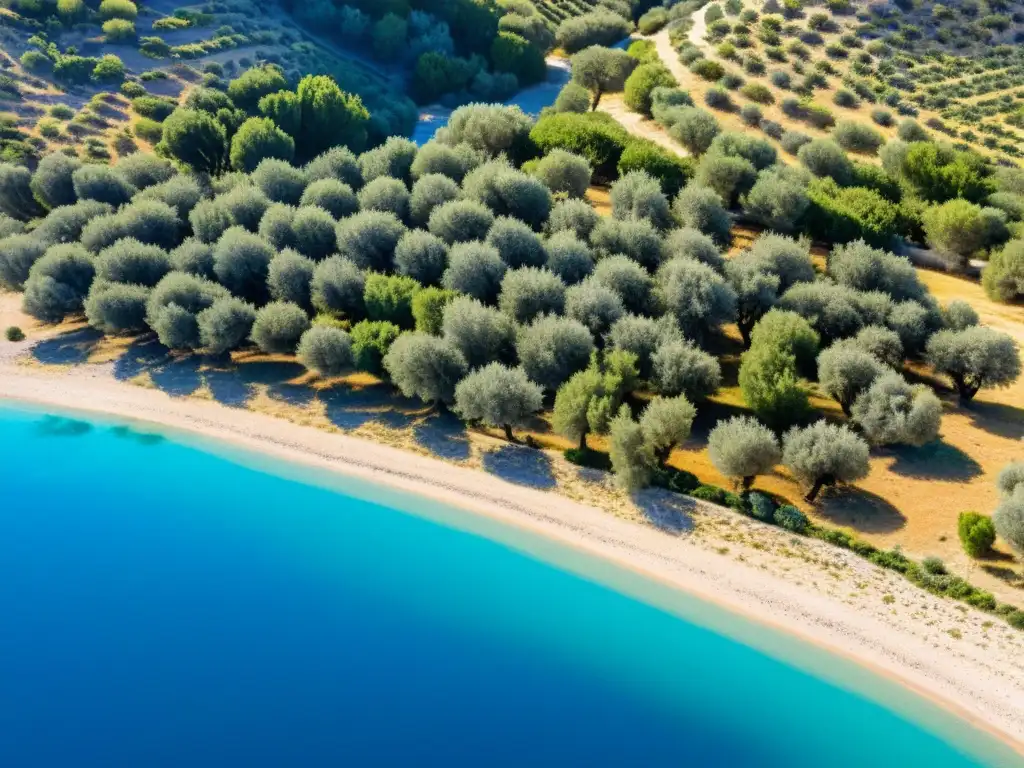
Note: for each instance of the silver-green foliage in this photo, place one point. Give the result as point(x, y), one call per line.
point(743, 448)
point(679, 367)
point(326, 350)
point(891, 411)
point(824, 454)
point(482, 334)
point(499, 396)
point(279, 326)
point(552, 349)
point(425, 366)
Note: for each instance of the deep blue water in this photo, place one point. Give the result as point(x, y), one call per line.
point(165, 606)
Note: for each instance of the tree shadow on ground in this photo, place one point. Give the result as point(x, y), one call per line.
point(445, 436)
point(521, 465)
point(348, 408)
point(860, 510)
point(667, 511)
point(177, 376)
point(997, 419)
point(1003, 573)
point(935, 461)
point(72, 348)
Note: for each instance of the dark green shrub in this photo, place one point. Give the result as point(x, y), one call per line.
point(791, 518)
point(761, 506)
point(595, 136)
point(588, 457)
point(14, 333)
point(370, 342)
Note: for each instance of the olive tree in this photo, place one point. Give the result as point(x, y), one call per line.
point(956, 229)
point(629, 280)
point(552, 349)
point(289, 276)
point(569, 257)
point(824, 454)
point(643, 336)
point(757, 291)
point(102, 183)
point(276, 226)
point(1010, 478)
point(338, 163)
point(17, 255)
point(564, 173)
point(388, 195)
point(631, 455)
point(425, 366)
point(595, 305)
point(435, 158)
point(891, 411)
point(431, 192)
point(777, 200)
point(680, 368)
point(498, 396)
point(181, 193)
point(475, 269)
point(576, 216)
point(791, 332)
point(974, 358)
point(393, 158)
point(278, 327)
point(882, 343)
point(689, 243)
point(51, 183)
point(117, 308)
point(245, 204)
point(369, 239)
point(638, 195)
point(845, 371)
point(335, 197)
point(1009, 520)
point(337, 288)
point(823, 157)
point(509, 192)
point(129, 261)
point(959, 315)
point(529, 292)
point(637, 239)
point(701, 208)
point(601, 70)
point(482, 334)
point(698, 297)
point(492, 129)
point(517, 244)
point(743, 448)
point(16, 197)
point(694, 128)
point(460, 221)
point(58, 283)
point(225, 325)
point(173, 306)
point(241, 261)
point(421, 256)
point(326, 350)
point(209, 220)
point(665, 423)
point(864, 268)
point(67, 223)
point(574, 410)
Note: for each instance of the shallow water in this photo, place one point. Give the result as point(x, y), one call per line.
point(531, 100)
point(165, 605)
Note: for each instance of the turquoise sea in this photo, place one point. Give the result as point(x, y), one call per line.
point(166, 602)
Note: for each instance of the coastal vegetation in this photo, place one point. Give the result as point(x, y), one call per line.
point(287, 216)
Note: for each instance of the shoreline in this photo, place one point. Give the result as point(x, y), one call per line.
point(991, 702)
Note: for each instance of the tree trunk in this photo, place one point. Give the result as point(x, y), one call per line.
point(847, 407)
point(662, 454)
point(508, 433)
point(815, 490)
point(745, 328)
point(583, 440)
point(965, 390)
point(747, 482)
point(597, 99)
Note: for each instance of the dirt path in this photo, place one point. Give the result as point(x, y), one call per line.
point(638, 125)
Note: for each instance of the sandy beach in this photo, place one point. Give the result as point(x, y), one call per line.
point(961, 658)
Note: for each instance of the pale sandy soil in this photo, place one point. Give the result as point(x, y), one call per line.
point(638, 125)
point(965, 659)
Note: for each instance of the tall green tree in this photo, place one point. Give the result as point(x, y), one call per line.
point(329, 117)
point(195, 139)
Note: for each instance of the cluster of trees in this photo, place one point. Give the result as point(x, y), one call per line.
point(1009, 515)
point(456, 51)
point(473, 259)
